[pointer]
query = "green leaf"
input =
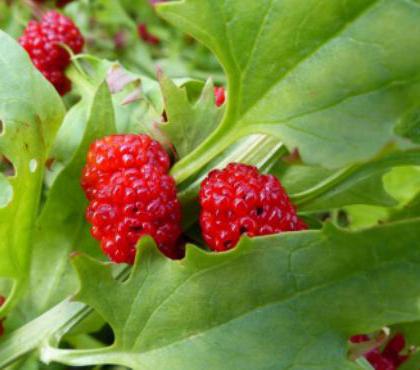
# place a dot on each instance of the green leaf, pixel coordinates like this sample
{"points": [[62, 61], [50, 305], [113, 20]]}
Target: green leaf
{"points": [[142, 9], [403, 184], [334, 191], [30, 336], [330, 78], [317, 189], [70, 134], [10, 12], [61, 226], [31, 112], [61, 319], [362, 216], [112, 12], [189, 123], [139, 103], [409, 125], [306, 294], [409, 210], [137, 100]]}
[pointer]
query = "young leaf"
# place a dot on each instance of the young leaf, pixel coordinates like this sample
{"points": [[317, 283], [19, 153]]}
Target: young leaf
{"points": [[329, 78], [189, 123], [30, 114], [137, 100], [283, 301]]}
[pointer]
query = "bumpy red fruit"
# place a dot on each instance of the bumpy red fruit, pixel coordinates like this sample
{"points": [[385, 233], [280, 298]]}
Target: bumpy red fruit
{"points": [[131, 196], [239, 200], [219, 93], [43, 42]]}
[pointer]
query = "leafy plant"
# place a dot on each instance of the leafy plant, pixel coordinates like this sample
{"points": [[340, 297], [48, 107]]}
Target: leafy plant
{"points": [[323, 95]]}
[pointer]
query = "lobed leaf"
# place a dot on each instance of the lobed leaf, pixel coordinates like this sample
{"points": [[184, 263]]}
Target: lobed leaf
{"points": [[30, 114], [284, 301], [61, 226], [189, 123]]}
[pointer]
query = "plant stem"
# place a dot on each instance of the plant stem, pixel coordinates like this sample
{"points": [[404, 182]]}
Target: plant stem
{"points": [[53, 324], [312, 193], [31, 335], [208, 150]]}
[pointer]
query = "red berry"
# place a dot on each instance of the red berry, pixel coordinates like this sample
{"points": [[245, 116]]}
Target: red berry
{"points": [[239, 200], [359, 338], [146, 36], [219, 93], [42, 40], [379, 362], [390, 358], [393, 348], [131, 196]]}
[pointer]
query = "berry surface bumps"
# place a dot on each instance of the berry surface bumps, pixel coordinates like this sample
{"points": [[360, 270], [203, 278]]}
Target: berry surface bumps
{"points": [[131, 195], [239, 200]]}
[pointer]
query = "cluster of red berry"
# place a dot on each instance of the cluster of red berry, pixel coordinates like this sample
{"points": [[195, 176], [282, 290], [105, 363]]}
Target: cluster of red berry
{"points": [[126, 180], [390, 358], [46, 43], [126, 177]]}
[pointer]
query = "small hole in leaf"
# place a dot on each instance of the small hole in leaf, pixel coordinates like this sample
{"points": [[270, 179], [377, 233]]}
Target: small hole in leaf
{"points": [[49, 163], [6, 166], [6, 190], [104, 335]]}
